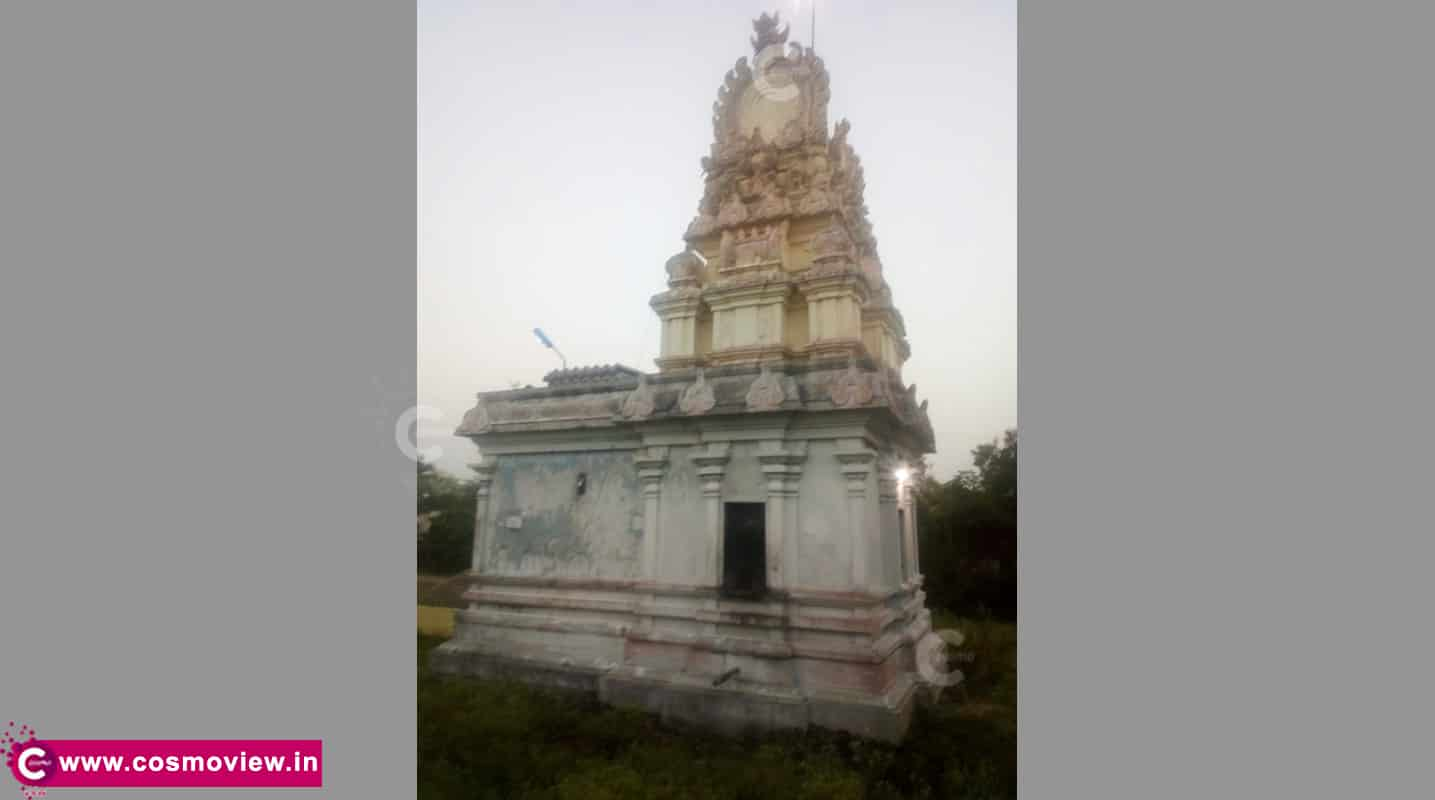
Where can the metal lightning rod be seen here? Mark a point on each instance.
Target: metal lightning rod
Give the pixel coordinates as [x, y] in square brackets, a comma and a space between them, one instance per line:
[813, 40]
[548, 343]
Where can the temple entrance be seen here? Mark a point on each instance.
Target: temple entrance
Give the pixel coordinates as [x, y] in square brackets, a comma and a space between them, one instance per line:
[744, 567]
[902, 543]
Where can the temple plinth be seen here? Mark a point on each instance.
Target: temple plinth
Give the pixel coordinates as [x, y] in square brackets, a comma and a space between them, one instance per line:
[724, 541]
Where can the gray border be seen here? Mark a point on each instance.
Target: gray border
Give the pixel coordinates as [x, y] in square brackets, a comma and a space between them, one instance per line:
[1224, 374]
[206, 331]
[208, 325]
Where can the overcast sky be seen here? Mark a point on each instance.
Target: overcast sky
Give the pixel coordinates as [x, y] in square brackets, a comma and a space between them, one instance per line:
[558, 147]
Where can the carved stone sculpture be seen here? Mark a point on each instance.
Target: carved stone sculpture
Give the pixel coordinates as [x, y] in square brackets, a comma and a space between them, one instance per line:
[832, 242]
[852, 388]
[683, 268]
[698, 398]
[767, 31]
[475, 420]
[924, 426]
[733, 212]
[641, 402]
[766, 393]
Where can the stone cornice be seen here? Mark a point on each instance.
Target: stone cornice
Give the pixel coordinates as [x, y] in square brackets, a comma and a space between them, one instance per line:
[837, 280]
[739, 290]
[675, 302]
[532, 420]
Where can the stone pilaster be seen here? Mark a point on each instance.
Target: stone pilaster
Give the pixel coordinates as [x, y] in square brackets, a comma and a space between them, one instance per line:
[835, 296]
[782, 471]
[906, 500]
[484, 469]
[678, 310]
[711, 460]
[652, 464]
[749, 318]
[890, 545]
[912, 523]
[856, 467]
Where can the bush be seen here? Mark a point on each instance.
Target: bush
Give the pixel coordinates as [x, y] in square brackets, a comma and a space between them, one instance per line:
[968, 535]
[449, 504]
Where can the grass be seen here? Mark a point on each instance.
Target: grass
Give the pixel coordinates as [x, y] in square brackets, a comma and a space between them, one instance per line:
[435, 621]
[494, 739]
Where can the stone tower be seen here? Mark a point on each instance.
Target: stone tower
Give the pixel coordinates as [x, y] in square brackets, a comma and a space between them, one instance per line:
[781, 261]
[725, 541]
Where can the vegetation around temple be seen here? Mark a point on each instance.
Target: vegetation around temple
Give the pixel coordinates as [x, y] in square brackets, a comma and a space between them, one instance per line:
[492, 739]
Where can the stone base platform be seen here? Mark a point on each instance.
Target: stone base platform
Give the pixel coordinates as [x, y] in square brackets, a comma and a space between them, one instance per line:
[734, 708]
[844, 661]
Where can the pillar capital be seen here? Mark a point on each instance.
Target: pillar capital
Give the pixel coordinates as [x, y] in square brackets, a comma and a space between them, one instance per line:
[855, 467]
[652, 464]
[840, 280]
[484, 471]
[781, 464]
[711, 460]
[678, 302]
[887, 488]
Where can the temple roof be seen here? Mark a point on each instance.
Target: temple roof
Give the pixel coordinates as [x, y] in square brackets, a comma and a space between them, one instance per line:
[602, 373]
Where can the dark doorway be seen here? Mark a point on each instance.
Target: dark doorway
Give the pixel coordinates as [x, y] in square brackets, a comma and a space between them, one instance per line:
[902, 541]
[744, 549]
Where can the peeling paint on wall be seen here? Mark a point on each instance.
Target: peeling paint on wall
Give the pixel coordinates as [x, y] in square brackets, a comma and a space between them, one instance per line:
[558, 532]
[687, 548]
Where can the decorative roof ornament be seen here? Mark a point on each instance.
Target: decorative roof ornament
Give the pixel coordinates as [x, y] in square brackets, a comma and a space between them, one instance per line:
[768, 33]
[603, 373]
[852, 388]
[765, 394]
[782, 96]
[904, 404]
[924, 427]
[475, 420]
[698, 398]
[683, 268]
[641, 402]
[832, 242]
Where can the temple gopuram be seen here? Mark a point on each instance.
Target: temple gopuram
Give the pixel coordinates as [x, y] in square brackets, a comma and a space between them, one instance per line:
[729, 540]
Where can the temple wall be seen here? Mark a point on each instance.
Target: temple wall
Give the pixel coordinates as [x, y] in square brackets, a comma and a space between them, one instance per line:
[541, 526]
[687, 549]
[825, 545]
[796, 334]
[872, 546]
[742, 483]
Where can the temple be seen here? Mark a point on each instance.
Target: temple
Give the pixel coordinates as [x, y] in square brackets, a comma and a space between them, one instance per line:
[729, 540]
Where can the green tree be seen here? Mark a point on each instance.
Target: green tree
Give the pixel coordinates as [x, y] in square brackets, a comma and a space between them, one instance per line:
[448, 503]
[968, 530]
